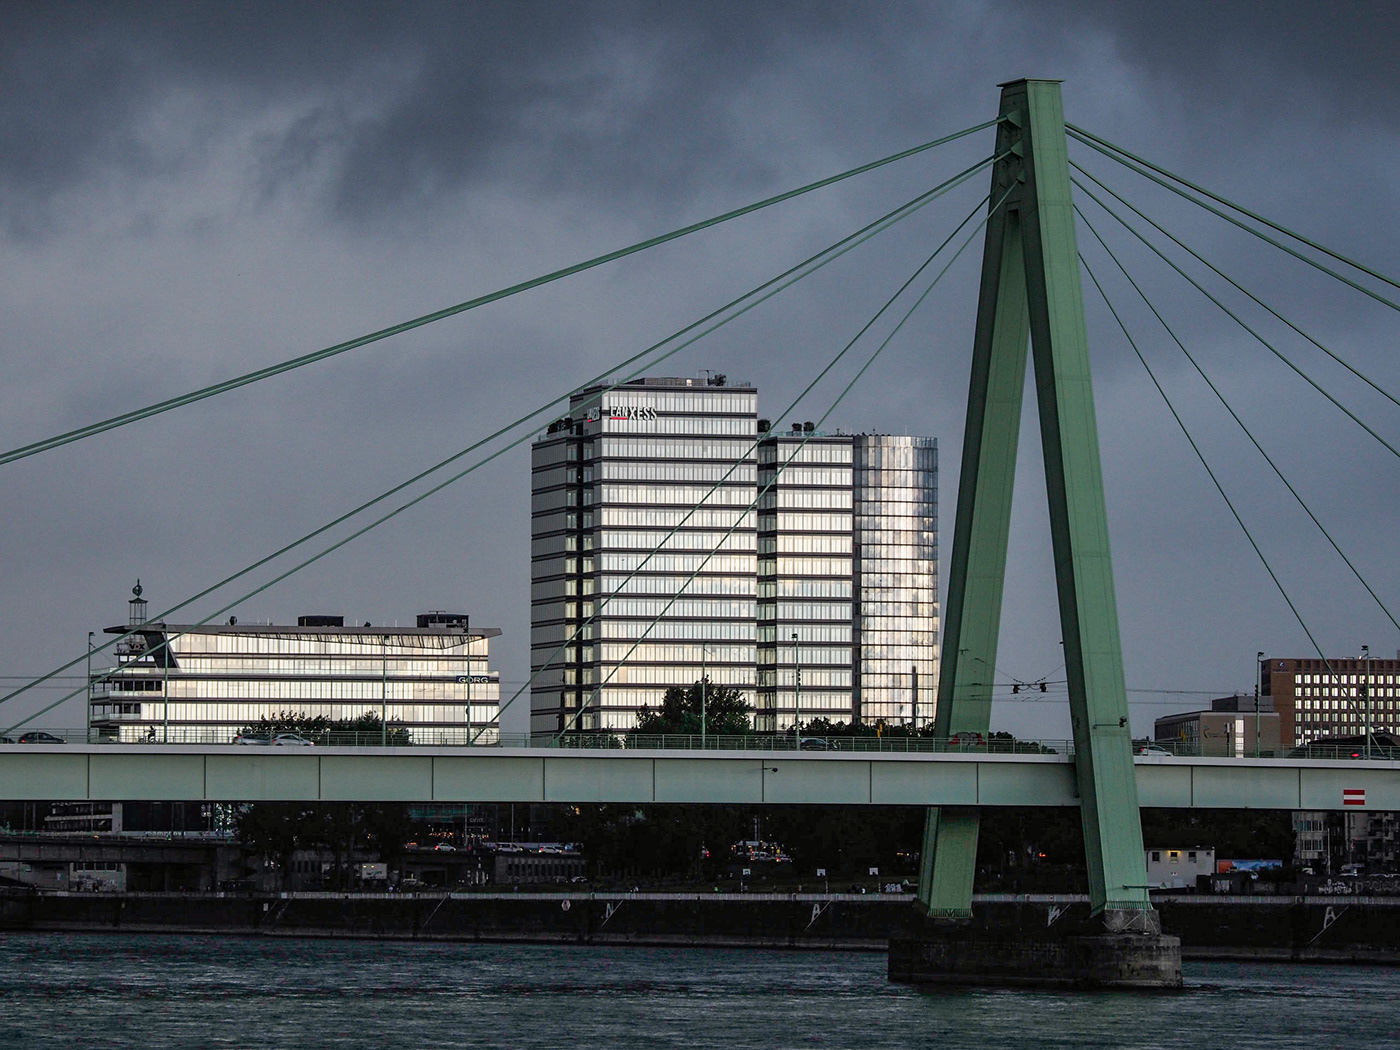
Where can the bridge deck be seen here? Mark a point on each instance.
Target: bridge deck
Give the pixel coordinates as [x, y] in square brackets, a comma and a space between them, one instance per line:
[224, 773]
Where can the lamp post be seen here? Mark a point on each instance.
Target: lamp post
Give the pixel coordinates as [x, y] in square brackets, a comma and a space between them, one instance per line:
[703, 650]
[1258, 688]
[384, 691]
[165, 685]
[89, 688]
[797, 693]
[1366, 655]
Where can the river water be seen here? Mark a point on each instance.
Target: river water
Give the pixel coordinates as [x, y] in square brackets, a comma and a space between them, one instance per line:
[90, 990]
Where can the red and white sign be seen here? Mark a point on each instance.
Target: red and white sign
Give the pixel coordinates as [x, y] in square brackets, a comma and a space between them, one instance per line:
[1353, 796]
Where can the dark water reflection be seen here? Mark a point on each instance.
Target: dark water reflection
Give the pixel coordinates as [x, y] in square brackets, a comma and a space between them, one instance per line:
[59, 990]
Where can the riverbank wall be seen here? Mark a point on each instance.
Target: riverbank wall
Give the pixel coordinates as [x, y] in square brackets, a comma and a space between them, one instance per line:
[1303, 929]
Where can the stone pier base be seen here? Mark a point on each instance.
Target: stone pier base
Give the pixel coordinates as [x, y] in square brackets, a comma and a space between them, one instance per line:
[999, 957]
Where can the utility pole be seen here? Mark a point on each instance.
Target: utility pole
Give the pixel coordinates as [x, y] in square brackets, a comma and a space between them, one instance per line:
[1258, 688]
[384, 691]
[703, 650]
[797, 693]
[89, 688]
[1366, 655]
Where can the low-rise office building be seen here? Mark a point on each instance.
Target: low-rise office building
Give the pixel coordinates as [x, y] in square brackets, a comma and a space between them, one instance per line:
[202, 683]
[1232, 728]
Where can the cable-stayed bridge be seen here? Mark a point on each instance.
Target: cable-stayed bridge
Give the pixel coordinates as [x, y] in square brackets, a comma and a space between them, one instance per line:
[1030, 305]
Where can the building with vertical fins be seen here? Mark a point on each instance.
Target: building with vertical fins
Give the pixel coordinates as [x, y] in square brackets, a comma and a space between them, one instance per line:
[806, 582]
[609, 483]
[819, 596]
[202, 683]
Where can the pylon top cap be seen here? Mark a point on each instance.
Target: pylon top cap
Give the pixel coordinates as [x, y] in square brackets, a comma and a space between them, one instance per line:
[1032, 80]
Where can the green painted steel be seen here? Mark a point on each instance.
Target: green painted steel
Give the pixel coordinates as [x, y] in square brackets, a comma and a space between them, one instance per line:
[959, 782]
[1030, 281]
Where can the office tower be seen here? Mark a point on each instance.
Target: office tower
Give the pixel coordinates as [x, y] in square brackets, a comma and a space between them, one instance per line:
[823, 603]
[610, 483]
[896, 577]
[805, 578]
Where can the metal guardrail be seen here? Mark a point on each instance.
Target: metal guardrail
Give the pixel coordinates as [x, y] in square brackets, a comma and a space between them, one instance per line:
[963, 743]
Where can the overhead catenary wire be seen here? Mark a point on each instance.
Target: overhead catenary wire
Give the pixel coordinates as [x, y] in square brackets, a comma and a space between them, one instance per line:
[1235, 416]
[739, 306]
[1233, 283]
[1098, 142]
[1089, 141]
[1201, 456]
[807, 434]
[226, 385]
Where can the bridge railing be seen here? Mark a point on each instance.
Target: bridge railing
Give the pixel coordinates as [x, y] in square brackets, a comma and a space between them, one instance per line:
[477, 737]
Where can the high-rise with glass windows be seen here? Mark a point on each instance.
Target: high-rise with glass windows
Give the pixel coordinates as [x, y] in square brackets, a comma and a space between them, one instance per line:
[638, 488]
[805, 578]
[895, 620]
[823, 603]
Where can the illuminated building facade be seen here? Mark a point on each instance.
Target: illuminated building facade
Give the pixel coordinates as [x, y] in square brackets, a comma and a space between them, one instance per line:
[832, 582]
[1318, 698]
[609, 484]
[211, 680]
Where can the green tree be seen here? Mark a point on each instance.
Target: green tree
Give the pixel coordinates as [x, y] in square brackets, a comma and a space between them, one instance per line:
[726, 713]
[363, 731]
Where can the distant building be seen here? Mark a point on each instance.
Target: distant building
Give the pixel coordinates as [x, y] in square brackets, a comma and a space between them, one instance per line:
[202, 683]
[1318, 697]
[1175, 869]
[1230, 729]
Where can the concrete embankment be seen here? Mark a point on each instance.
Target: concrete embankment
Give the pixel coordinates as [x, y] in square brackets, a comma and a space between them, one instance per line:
[1311, 929]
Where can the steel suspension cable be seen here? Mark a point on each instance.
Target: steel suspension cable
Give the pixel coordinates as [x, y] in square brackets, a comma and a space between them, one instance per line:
[1235, 416]
[1237, 319]
[471, 304]
[807, 436]
[1234, 283]
[768, 288]
[600, 606]
[1236, 222]
[1100, 142]
[1201, 456]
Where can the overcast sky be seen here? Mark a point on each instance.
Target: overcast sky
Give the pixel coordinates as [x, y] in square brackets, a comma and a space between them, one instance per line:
[192, 191]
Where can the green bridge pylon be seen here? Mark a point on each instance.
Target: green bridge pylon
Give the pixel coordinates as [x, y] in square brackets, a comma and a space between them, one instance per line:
[1031, 291]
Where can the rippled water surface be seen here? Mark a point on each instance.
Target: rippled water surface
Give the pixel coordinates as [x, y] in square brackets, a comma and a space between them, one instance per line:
[79, 990]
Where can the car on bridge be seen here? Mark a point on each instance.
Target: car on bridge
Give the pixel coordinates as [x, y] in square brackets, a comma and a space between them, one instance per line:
[38, 737]
[1151, 749]
[277, 740]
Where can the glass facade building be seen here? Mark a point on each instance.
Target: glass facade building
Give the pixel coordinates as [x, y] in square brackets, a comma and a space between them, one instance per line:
[632, 492]
[817, 585]
[896, 616]
[432, 680]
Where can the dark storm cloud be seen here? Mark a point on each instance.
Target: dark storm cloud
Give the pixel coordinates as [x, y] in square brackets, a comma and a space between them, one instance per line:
[1275, 58]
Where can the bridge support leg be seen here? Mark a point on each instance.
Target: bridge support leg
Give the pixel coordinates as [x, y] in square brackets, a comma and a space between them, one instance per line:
[1030, 287]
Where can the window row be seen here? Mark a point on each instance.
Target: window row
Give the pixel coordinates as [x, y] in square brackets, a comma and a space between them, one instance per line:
[662, 449]
[686, 495]
[610, 561]
[659, 539]
[731, 472]
[697, 517]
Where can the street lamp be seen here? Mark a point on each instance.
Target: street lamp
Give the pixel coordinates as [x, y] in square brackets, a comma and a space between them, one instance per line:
[1258, 688]
[703, 650]
[797, 693]
[1366, 655]
[89, 688]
